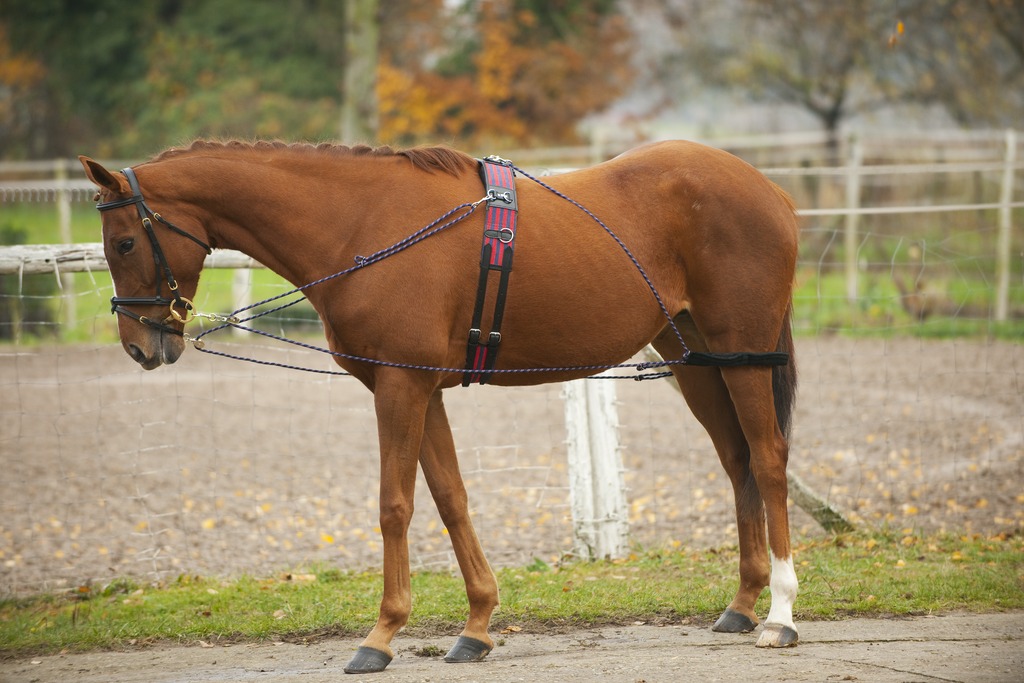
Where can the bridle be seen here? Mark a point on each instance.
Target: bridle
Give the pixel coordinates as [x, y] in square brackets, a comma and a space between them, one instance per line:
[146, 214]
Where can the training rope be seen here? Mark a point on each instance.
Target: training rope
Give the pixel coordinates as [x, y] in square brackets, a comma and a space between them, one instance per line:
[438, 225]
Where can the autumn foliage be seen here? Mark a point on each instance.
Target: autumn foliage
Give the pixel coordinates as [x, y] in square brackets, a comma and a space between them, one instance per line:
[505, 76]
[20, 80]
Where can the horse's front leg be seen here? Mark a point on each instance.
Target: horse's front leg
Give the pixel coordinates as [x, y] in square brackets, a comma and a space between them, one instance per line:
[400, 403]
[441, 470]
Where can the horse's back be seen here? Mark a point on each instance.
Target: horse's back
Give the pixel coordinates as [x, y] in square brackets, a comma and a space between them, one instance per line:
[684, 169]
[672, 204]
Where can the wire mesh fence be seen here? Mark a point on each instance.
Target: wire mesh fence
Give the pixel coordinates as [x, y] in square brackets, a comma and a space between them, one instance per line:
[909, 412]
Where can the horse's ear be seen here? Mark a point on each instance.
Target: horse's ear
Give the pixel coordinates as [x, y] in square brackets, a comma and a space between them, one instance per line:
[101, 177]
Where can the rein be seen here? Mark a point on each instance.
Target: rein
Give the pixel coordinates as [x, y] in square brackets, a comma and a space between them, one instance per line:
[494, 196]
[146, 215]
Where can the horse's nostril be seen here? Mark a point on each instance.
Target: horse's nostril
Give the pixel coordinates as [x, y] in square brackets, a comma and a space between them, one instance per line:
[136, 353]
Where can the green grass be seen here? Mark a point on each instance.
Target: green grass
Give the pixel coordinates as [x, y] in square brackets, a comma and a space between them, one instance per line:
[40, 221]
[820, 306]
[859, 574]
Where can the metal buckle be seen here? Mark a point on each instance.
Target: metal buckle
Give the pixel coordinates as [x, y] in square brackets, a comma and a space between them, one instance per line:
[504, 235]
[190, 311]
[495, 159]
[495, 196]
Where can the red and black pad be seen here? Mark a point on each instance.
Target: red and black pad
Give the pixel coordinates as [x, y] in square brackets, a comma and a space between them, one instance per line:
[495, 255]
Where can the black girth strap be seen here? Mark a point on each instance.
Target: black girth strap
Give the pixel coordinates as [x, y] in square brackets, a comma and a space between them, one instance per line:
[731, 360]
[495, 255]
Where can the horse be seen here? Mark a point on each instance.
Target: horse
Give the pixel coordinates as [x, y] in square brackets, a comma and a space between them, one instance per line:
[674, 244]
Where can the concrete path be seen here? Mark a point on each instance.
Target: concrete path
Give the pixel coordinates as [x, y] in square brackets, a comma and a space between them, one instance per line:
[960, 647]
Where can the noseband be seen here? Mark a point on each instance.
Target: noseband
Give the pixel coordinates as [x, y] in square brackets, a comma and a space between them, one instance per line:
[146, 214]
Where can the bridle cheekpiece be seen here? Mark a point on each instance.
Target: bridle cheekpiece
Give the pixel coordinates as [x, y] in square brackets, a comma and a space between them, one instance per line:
[147, 215]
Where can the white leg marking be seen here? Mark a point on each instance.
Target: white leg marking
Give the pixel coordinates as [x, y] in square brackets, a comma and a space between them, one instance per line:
[779, 630]
[783, 587]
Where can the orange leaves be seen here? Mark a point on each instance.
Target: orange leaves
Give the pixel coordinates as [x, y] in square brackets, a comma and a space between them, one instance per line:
[17, 71]
[896, 34]
[498, 60]
[504, 80]
[415, 106]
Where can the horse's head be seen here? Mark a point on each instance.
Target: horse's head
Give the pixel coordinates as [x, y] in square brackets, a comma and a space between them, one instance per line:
[154, 267]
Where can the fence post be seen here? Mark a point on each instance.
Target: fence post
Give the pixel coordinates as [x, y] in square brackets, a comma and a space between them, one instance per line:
[359, 99]
[597, 144]
[66, 280]
[241, 293]
[855, 157]
[597, 489]
[1005, 219]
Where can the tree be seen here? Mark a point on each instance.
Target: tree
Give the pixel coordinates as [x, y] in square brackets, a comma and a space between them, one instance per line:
[831, 59]
[501, 72]
[22, 99]
[125, 79]
[970, 55]
[92, 59]
[122, 79]
[836, 60]
[240, 69]
[359, 84]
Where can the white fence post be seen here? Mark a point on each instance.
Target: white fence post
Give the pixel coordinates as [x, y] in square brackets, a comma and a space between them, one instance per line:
[66, 280]
[597, 489]
[241, 293]
[855, 158]
[1005, 219]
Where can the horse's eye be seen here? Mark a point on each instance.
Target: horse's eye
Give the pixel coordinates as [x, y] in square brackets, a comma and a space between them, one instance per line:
[124, 246]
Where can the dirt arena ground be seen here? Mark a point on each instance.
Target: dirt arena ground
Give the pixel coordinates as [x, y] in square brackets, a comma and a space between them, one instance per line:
[218, 467]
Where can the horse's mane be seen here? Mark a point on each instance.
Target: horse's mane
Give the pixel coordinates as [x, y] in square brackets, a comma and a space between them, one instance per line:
[429, 159]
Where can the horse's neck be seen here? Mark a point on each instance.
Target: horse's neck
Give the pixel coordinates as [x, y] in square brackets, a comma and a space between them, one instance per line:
[276, 216]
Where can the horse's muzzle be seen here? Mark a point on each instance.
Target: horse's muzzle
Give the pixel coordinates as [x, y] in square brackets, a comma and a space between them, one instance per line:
[162, 349]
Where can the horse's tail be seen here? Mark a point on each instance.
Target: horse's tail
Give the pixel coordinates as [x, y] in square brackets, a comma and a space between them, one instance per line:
[784, 376]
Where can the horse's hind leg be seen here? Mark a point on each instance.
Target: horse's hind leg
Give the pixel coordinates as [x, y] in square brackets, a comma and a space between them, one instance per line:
[441, 470]
[755, 399]
[751, 392]
[708, 398]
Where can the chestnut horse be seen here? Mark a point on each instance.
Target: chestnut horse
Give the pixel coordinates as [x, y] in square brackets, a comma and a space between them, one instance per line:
[698, 254]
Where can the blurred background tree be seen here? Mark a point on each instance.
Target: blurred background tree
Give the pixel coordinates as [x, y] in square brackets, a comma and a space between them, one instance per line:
[124, 80]
[840, 60]
[92, 60]
[505, 72]
[22, 99]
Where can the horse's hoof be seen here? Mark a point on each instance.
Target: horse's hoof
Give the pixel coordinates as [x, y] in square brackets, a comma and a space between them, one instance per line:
[732, 621]
[778, 635]
[467, 649]
[367, 661]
